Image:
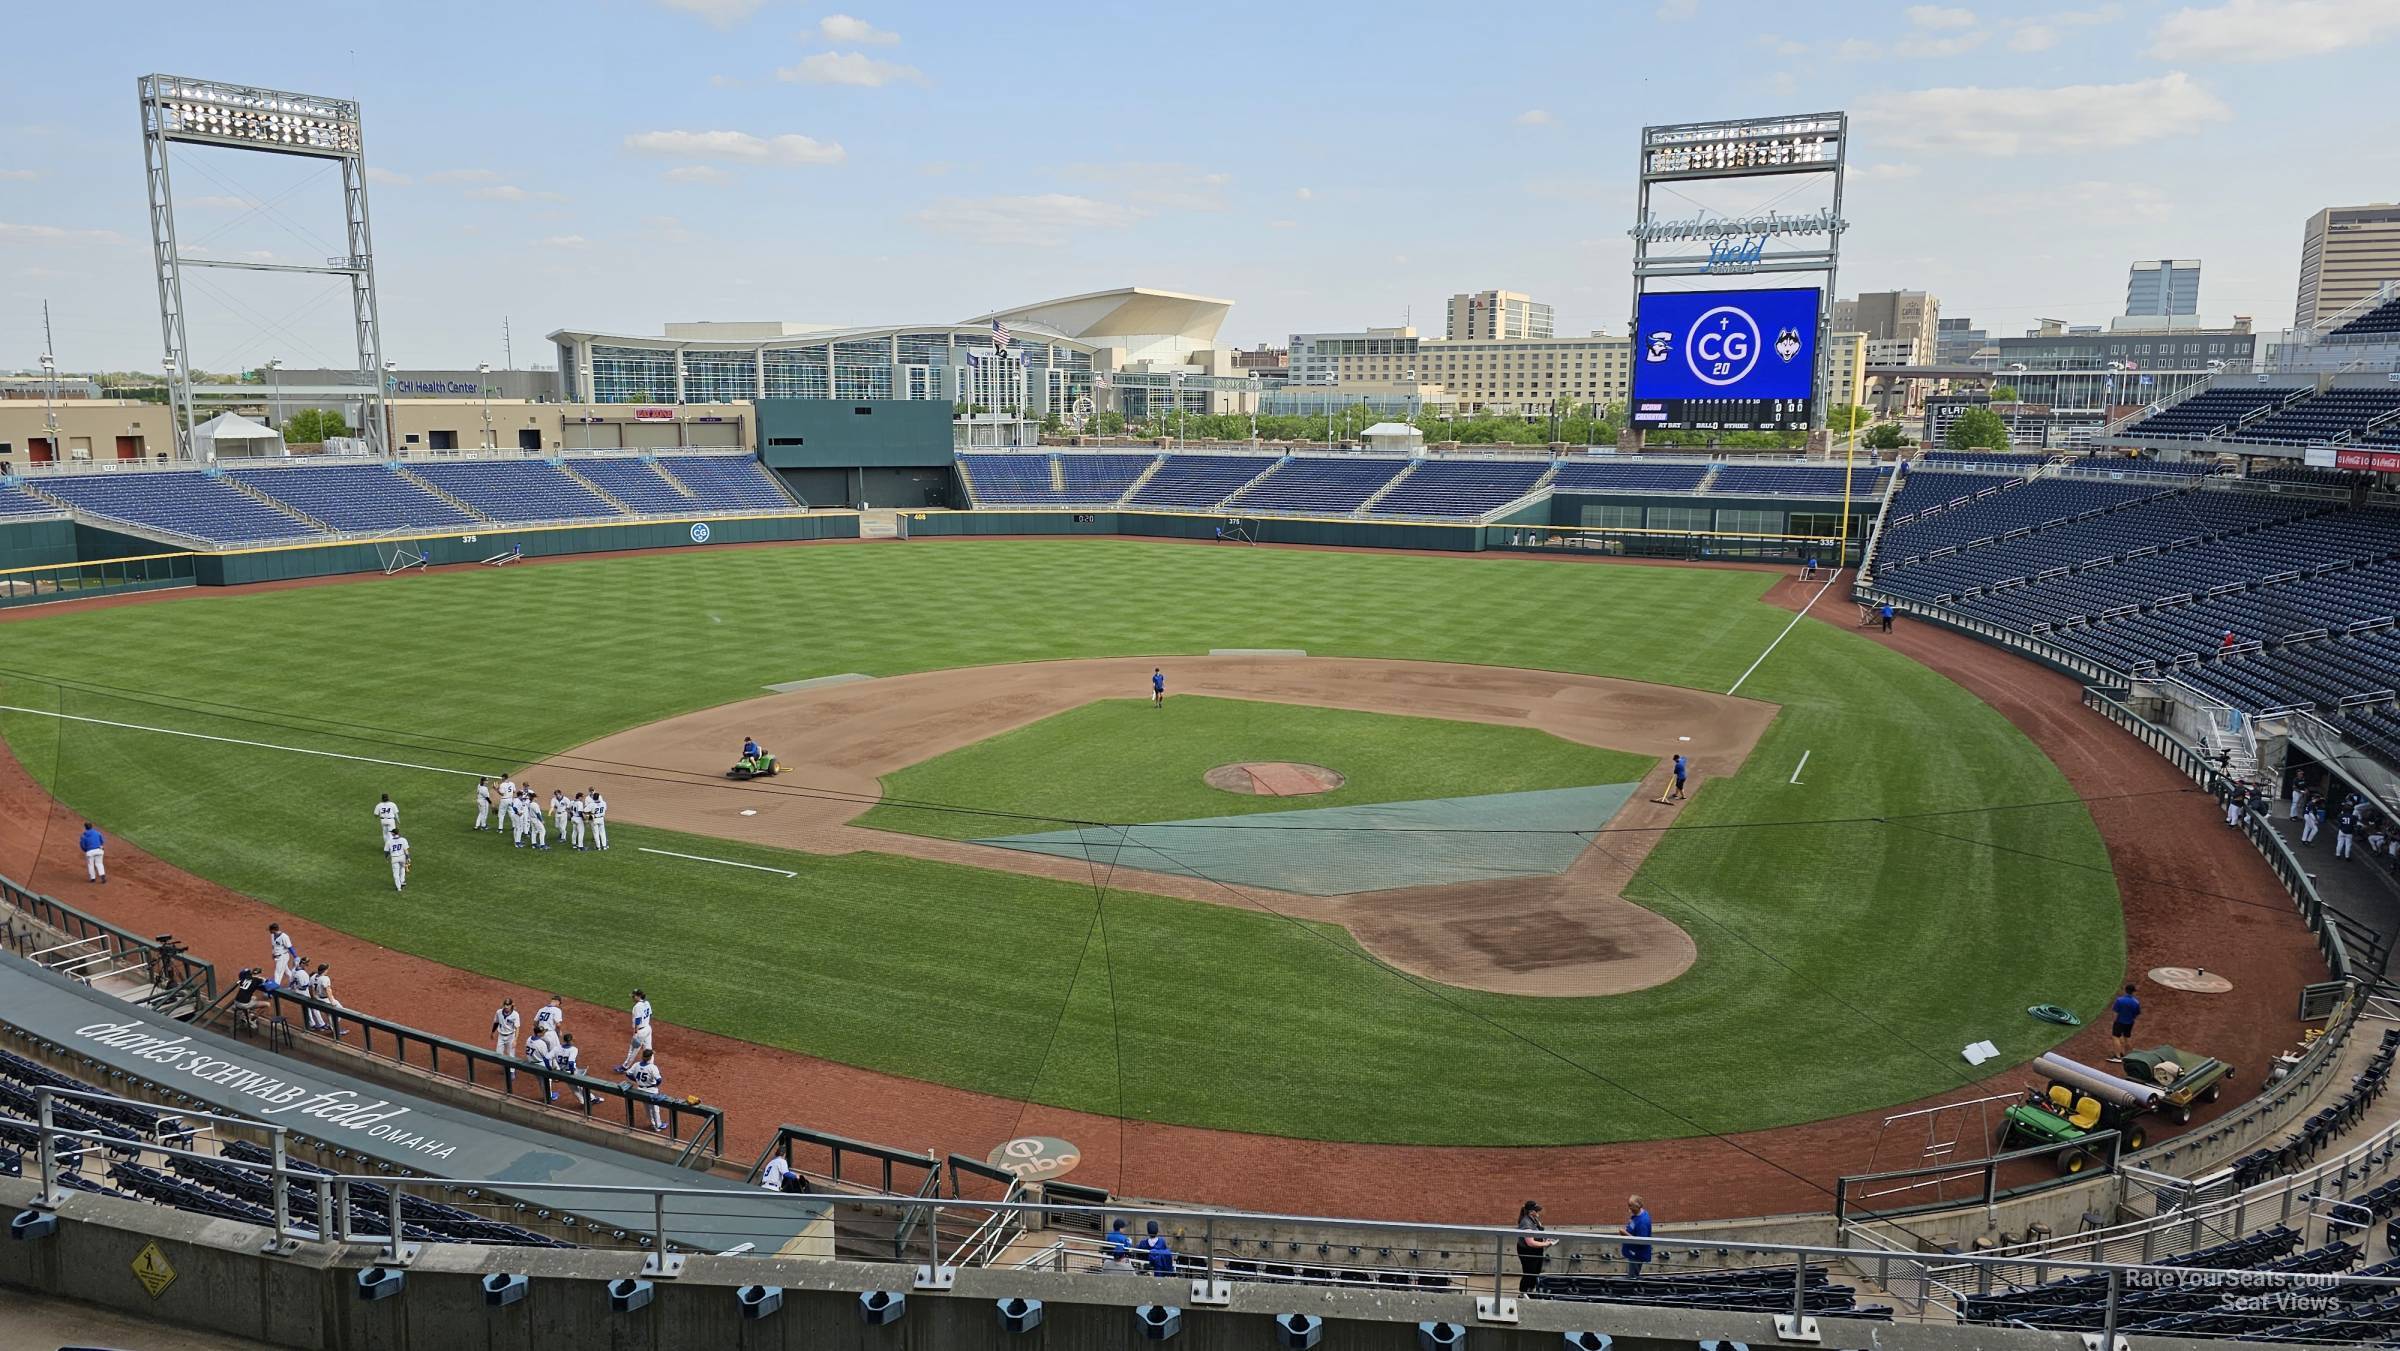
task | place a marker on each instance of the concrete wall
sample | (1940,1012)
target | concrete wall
(225,1284)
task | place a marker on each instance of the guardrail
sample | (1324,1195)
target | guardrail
(95,949)
(1213,1249)
(691,1123)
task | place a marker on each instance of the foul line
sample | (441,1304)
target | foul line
(1787,629)
(237,741)
(1798,767)
(697,858)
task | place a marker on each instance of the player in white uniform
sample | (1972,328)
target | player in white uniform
(508,803)
(641,1032)
(542,1047)
(387,815)
(483,803)
(558,813)
(549,1018)
(567,1059)
(646,1078)
(537,826)
(578,811)
(279,954)
(505,1022)
(322,988)
(397,847)
(597,808)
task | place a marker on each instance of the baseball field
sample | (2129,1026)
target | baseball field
(1884,870)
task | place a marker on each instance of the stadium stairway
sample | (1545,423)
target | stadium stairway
(438,491)
(1138,481)
(286,508)
(1234,502)
(1367,507)
(967,478)
(567,467)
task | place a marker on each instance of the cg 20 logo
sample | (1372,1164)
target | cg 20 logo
(1723,345)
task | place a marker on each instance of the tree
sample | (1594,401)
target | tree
(1978,429)
(310,426)
(1884,436)
(2004,394)
(1844,418)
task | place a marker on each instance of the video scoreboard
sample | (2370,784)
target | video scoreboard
(1725,360)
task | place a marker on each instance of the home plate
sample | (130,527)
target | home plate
(2190,978)
(749,811)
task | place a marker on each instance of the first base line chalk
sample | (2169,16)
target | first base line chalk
(1798,767)
(237,741)
(697,858)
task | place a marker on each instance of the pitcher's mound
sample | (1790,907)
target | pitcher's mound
(1274,778)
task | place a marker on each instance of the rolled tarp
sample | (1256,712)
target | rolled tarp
(2106,1087)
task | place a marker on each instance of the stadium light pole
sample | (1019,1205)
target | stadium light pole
(275,394)
(50,406)
(483,385)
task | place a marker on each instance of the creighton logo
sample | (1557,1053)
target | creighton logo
(1787,344)
(1660,344)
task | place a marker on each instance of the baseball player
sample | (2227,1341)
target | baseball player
(541,1048)
(641,1032)
(279,954)
(322,988)
(512,807)
(387,815)
(397,847)
(578,811)
(549,1018)
(94,847)
(558,812)
(483,803)
(537,825)
(645,1078)
(568,1060)
(597,809)
(505,1022)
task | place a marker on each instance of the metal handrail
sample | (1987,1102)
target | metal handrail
(170,967)
(500,1074)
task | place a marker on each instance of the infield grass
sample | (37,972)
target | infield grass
(1841,961)
(1121,761)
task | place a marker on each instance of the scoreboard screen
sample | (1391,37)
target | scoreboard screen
(1726,360)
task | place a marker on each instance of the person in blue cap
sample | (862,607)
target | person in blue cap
(95,865)
(1162,1257)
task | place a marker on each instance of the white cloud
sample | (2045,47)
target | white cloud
(510,192)
(1283,224)
(1782,82)
(2028,120)
(1941,18)
(564,242)
(1158,186)
(1882,173)
(1781,45)
(1303,193)
(462,176)
(1676,11)
(2033,37)
(737,146)
(724,81)
(855,69)
(386,178)
(57,233)
(2108,203)
(696,173)
(717,13)
(936,168)
(217,202)
(1857,49)
(1534,117)
(2273,30)
(18,175)
(1920,46)
(1400,259)
(668,230)
(844,28)
(1041,219)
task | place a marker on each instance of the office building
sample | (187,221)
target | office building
(1496,315)
(1911,316)
(2077,371)
(2346,253)
(1513,376)
(1365,354)
(2164,288)
(1956,341)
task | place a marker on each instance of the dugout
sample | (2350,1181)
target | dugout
(880,452)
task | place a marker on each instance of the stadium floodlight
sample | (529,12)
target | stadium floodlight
(181,110)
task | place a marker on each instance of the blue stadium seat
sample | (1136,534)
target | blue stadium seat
(516,490)
(1323,485)
(1461,487)
(636,483)
(15,501)
(1628,475)
(727,482)
(1084,479)
(355,497)
(1199,480)
(188,502)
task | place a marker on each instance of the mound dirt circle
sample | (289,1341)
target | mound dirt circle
(1273,778)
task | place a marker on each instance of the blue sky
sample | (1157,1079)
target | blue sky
(621,163)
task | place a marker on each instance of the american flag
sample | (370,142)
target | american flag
(1000,337)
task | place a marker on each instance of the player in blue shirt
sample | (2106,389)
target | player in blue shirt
(1158,688)
(2126,1008)
(1162,1257)
(1118,1245)
(1682,767)
(95,865)
(1637,1225)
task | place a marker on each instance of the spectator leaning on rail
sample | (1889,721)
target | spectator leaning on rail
(1155,1249)
(1533,1246)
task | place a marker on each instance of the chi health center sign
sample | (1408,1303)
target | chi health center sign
(276,1096)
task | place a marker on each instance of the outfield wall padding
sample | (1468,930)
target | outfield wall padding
(1462,538)
(32,544)
(328,560)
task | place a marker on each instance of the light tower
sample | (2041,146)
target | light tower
(177,109)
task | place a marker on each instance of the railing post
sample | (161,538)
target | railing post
(1799,1287)
(1499,1265)
(1208,1241)
(393,1249)
(282,1185)
(2108,1318)
(658,1224)
(341,1209)
(47,1149)
(324,1193)
(933,1240)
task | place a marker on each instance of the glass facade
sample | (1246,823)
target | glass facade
(632,375)
(719,377)
(798,373)
(862,370)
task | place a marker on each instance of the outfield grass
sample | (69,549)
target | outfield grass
(1121,761)
(1841,962)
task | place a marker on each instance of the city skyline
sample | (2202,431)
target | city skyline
(750,159)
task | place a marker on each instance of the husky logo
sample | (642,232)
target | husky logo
(1660,344)
(1787,344)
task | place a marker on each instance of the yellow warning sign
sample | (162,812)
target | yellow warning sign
(151,1268)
